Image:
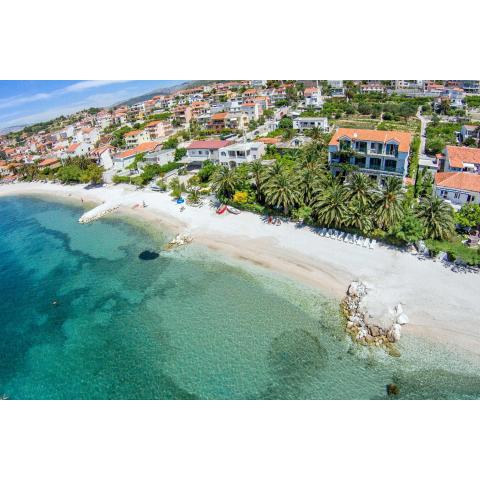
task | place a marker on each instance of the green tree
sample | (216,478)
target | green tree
(206,172)
(360,187)
(389,208)
(331,206)
(436,216)
(281,190)
(359,216)
(180,153)
(286,123)
(224,182)
(468,216)
(257,171)
(409,229)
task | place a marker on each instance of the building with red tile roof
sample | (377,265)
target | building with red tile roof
(50,163)
(377,153)
(458,187)
(458,159)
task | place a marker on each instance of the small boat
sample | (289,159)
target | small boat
(221,209)
(180,200)
(233,210)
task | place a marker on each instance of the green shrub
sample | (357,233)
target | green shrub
(120,179)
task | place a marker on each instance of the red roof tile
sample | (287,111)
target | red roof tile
(457,156)
(403,138)
(458,180)
(209,144)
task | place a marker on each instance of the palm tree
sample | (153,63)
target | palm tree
(309,183)
(331,207)
(257,170)
(359,216)
(282,190)
(224,182)
(360,188)
(389,206)
(312,154)
(436,216)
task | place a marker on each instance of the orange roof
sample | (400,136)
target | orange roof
(133,133)
(248,104)
(310,90)
(199,104)
(402,138)
(154,123)
(250,91)
(2,163)
(269,140)
(73,147)
(458,180)
(143,147)
(48,161)
(219,116)
(457,156)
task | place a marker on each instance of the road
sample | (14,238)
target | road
(423,132)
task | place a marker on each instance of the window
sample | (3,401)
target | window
(390,165)
(456,196)
(375,163)
(392,149)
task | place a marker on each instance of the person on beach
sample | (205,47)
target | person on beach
(81,198)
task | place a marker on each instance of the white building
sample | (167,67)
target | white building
(160,157)
(103,156)
(253,110)
(76,150)
(313,97)
(458,187)
(307,123)
(239,153)
(336,88)
(136,137)
(201,150)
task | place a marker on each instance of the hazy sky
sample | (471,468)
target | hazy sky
(29,101)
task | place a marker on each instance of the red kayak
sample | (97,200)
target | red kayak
(221,209)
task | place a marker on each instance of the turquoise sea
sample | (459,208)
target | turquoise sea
(189,324)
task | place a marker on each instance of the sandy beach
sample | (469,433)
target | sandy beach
(441,304)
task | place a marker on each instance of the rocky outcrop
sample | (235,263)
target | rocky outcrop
(365,329)
(98,212)
(179,240)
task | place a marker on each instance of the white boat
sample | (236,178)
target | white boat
(233,210)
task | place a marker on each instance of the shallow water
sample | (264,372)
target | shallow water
(186,325)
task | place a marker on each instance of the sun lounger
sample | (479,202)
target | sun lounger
(347,238)
(332,233)
(373,243)
(366,243)
(340,237)
(360,241)
(354,239)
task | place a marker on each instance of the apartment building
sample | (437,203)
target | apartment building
(159,129)
(307,123)
(136,137)
(313,97)
(238,153)
(376,153)
(252,110)
(201,150)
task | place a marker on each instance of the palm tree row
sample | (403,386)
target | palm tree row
(355,201)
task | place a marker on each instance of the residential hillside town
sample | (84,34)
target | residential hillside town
(425,134)
(233,122)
